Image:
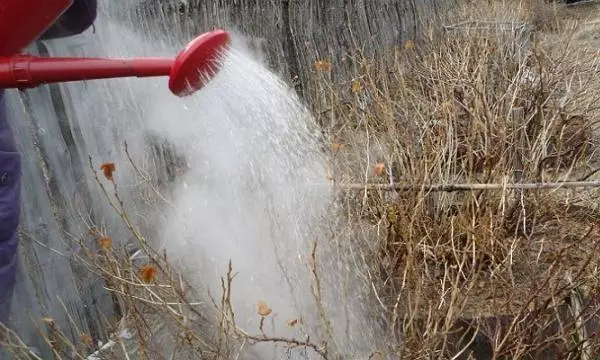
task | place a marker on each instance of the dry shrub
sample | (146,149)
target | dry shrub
(489,99)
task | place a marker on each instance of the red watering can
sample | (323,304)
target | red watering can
(187,72)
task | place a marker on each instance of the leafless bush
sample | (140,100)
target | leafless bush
(483,101)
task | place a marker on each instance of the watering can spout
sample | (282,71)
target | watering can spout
(188,71)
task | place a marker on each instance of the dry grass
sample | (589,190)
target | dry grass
(510,94)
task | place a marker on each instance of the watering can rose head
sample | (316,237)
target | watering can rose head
(198,62)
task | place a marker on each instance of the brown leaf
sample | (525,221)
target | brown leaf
(323,65)
(379,169)
(86,339)
(335,146)
(148,273)
(264,309)
(356,86)
(105,243)
(108,169)
(292,323)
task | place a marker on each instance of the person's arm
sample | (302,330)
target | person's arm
(10,202)
(75,20)
(78,18)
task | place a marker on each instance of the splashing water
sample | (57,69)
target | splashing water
(253,155)
(249,197)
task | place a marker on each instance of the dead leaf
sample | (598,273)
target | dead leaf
(335,146)
(292,323)
(264,309)
(322,65)
(356,86)
(86,339)
(379,169)
(105,243)
(409,45)
(148,273)
(108,169)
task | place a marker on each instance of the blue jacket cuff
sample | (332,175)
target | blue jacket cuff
(80,16)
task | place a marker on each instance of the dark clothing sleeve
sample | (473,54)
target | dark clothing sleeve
(75,20)
(10,202)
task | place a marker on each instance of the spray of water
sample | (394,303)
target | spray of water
(250,197)
(246,197)
(253,156)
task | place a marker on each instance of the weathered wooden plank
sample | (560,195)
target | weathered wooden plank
(327,29)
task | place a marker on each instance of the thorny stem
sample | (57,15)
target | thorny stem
(318,294)
(144,176)
(321,350)
(228,318)
(119,209)
(557,290)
